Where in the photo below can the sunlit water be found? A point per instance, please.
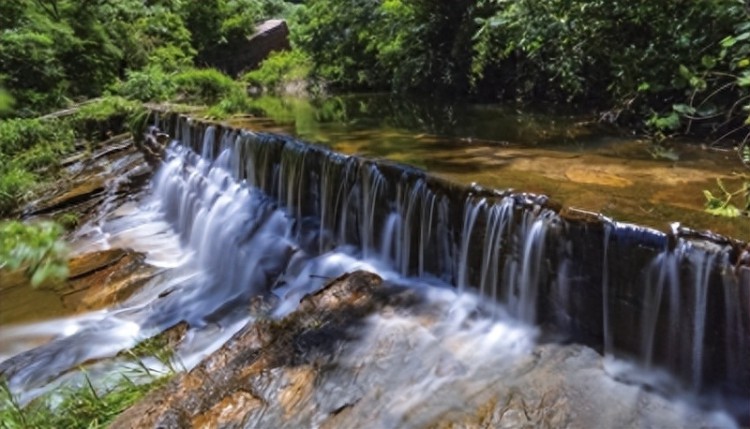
(572, 158)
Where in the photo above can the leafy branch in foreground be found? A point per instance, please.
(726, 204)
(37, 249)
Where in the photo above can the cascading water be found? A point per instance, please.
(261, 214)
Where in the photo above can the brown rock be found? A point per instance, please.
(105, 278)
(268, 362)
(269, 36)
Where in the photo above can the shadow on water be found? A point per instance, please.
(491, 123)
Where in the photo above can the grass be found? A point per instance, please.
(86, 406)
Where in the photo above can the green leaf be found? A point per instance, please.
(744, 80)
(683, 109)
(685, 72)
(668, 122)
(728, 210)
(728, 42)
(708, 61)
(698, 83)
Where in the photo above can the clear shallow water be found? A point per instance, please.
(576, 162)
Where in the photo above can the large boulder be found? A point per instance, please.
(269, 36)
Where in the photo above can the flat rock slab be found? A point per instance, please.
(105, 278)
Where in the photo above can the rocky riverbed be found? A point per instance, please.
(365, 353)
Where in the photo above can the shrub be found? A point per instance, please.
(17, 135)
(35, 248)
(109, 115)
(234, 102)
(6, 102)
(207, 86)
(149, 84)
(280, 68)
(15, 185)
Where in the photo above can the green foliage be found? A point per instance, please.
(105, 108)
(219, 26)
(280, 68)
(35, 248)
(16, 184)
(88, 406)
(149, 84)
(31, 69)
(232, 103)
(204, 85)
(726, 204)
(340, 37)
(17, 135)
(108, 115)
(6, 102)
(673, 66)
(68, 220)
(28, 147)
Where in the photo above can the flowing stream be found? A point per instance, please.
(234, 214)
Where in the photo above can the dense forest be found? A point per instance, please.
(663, 67)
(672, 66)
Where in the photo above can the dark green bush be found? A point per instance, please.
(18, 135)
(108, 115)
(149, 84)
(280, 68)
(681, 64)
(206, 86)
(28, 146)
(15, 185)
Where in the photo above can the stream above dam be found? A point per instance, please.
(574, 160)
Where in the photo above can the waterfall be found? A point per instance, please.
(263, 214)
(324, 213)
(510, 247)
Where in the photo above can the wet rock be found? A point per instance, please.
(105, 278)
(363, 354)
(271, 361)
(153, 146)
(96, 280)
(86, 264)
(113, 171)
(82, 191)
